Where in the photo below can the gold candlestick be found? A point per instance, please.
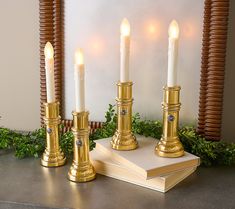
(52, 156)
(170, 145)
(81, 169)
(123, 138)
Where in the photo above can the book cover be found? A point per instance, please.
(144, 161)
(105, 166)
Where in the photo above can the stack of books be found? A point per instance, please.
(142, 166)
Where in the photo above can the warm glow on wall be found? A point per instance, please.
(152, 29)
(189, 30)
(96, 46)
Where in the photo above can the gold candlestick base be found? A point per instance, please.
(170, 145)
(123, 138)
(52, 156)
(81, 169)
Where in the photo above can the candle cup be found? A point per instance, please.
(52, 156)
(170, 145)
(123, 138)
(81, 169)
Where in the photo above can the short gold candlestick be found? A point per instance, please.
(123, 138)
(170, 145)
(52, 156)
(81, 169)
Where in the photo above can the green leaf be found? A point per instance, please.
(33, 143)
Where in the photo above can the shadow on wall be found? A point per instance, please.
(228, 126)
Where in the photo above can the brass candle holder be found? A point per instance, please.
(123, 138)
(81, 169)
(170, 145)
(52, 156)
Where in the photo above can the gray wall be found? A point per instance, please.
(19, 64)
(19, 69)
(94, 26)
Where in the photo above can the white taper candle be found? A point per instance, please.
(124, 51)
(49, 68)
(79, 78)
(172, 54)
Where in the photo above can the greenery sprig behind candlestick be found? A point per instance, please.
(33, 144)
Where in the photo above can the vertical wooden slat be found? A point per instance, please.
(67, 125)
(204, 67)
(216, 68)
(58, 49)
(62, 59)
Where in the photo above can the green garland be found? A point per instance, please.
(33, 143)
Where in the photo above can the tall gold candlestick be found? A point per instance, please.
(52, 156)
(81, 169)
(123, 138)
(170, 145)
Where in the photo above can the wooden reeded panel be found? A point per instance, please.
(212, 64)
(204, 67)
(213, 68)
(216, 68)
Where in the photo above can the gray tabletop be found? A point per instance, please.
(24, 184)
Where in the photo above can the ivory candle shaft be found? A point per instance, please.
(125, 56)
(50, 80)
(79, 77)
(172, 62)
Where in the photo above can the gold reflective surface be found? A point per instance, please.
(170, 145)
(81, 169)
(123, 138)
(52, 156)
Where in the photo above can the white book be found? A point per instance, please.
(105, 166)
(144, 161)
